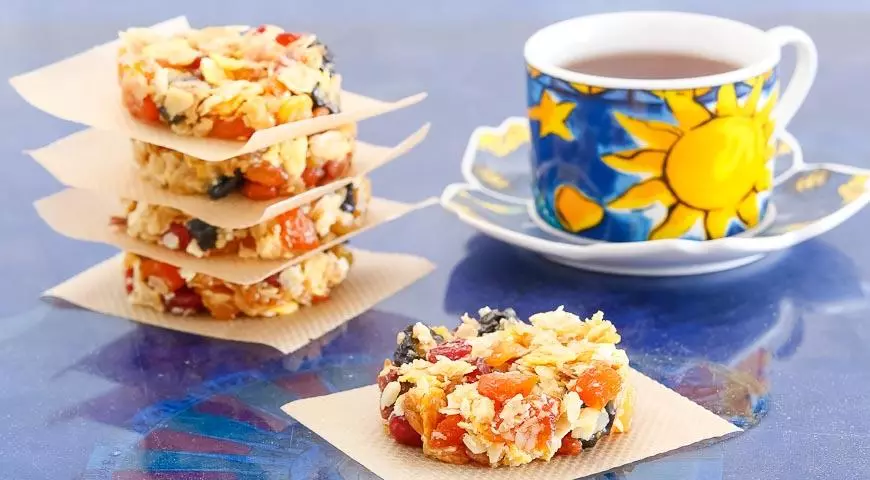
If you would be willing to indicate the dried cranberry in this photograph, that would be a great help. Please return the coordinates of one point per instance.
(335, 168)
(312, 176)
(391, 376)
(186, 300)
(274, 280)
(286, 38)
(404, 433)
(128, 280)
(180, 232)
(454, 350)
(570, 446)
(260, 29)
(118, 221)
(481, 368)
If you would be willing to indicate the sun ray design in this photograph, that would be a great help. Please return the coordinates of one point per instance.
(709, 167)
(552, 116)
(679, 220)
(644, 194)
(639, 161)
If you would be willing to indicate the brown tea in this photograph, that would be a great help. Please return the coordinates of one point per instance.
(650, 65)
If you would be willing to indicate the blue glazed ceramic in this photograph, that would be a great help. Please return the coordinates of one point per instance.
(626, 160)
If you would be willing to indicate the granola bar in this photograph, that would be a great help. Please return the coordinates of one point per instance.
(284, 169)
(500, 392)
(288, 235)
(226, 82)
(166, 288)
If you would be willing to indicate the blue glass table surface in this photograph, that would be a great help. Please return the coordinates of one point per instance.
(779, 347)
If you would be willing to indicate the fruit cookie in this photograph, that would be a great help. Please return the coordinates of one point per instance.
(497, 391)
(226, 82)
(166, 288)
(288, 235)
(284, 169)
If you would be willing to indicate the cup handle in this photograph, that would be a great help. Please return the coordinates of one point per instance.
(804, 72)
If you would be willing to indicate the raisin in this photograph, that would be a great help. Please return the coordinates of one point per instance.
(453, 350)
(172, 120)
(226, 185)
(349, 203)
(321, 99)
(492, 320)
(406, 351)
(592, 441)
(204, 234)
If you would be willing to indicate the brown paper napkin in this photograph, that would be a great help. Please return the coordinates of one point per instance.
(663, 421)
(372, 278)
(111, 170)
(84, 89)
(84, 215)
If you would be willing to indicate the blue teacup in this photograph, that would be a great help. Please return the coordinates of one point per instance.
(634, 159)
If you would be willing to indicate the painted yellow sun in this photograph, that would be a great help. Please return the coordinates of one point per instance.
(708, 168)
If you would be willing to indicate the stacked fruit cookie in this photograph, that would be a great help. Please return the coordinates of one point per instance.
(227, 83)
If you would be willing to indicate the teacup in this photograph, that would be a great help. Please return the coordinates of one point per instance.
(623, 159)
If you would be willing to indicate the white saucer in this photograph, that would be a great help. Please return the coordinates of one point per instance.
(810, 199)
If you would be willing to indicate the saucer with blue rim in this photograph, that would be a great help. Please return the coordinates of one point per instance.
(808, 200)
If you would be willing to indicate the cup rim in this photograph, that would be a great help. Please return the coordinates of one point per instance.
(741, 74)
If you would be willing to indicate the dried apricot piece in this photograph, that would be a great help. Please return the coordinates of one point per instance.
(266, 174)
(233, 129)
(598, 385)
(448, 433)
(162, 271)
(501, 387)
(503, 353)
(256, 191)
(298, 230)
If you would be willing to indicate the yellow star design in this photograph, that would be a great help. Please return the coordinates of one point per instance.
(552, 116)
(534, 72)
